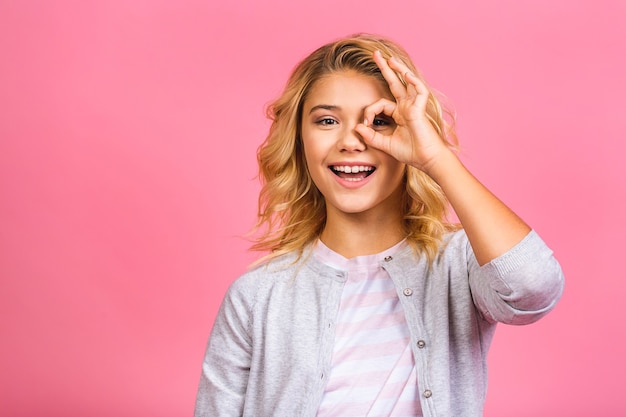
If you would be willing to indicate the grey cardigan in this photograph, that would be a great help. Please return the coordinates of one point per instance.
(270, 349)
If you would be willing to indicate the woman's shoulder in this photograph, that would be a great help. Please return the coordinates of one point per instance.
(277, 265)
(454, 241)
(455, 235)
(270, 269)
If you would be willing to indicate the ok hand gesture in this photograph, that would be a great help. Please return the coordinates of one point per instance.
(414, 141)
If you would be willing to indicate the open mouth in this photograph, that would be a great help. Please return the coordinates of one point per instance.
(352, 173)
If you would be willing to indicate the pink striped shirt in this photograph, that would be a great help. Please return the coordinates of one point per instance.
(373, 369)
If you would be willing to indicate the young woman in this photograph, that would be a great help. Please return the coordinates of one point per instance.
(369, 302)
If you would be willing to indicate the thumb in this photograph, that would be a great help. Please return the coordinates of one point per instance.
(373, 138)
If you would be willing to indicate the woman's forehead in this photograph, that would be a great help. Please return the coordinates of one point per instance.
(346, 87)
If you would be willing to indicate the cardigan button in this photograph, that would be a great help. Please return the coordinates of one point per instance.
(428, 393)
(421, 344)
(388, 258)
(407, 292)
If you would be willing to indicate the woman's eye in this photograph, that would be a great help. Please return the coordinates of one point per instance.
(381, 122)
(326, 122)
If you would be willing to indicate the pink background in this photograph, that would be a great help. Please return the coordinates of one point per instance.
(128, 132)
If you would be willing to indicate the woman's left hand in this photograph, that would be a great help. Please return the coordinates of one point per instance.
(414, 140)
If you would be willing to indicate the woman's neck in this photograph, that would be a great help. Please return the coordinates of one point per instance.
(353, 235)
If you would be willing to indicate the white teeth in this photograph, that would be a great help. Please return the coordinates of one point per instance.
(352, 169)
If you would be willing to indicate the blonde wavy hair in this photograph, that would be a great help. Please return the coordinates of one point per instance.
(292, 211)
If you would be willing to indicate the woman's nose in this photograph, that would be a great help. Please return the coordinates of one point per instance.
(351, 141)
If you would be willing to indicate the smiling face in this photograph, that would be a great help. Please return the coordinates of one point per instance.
(352, 177)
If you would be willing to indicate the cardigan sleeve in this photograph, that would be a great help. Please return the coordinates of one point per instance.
(518, 287)
(226, 364)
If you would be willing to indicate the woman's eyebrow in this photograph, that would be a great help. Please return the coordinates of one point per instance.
(324, 107)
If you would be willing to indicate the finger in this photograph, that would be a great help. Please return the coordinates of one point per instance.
(396, 86)
(411, 87)
(374, 138)
(416, 83)
(417, 90)
(382, 106)
(399, 67)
